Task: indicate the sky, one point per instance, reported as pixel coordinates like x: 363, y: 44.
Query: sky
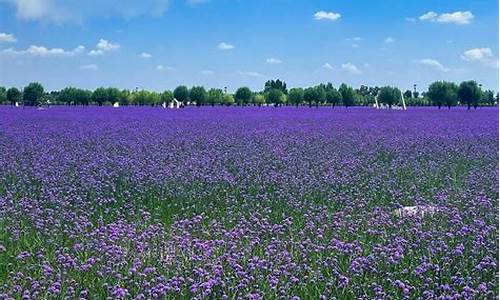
x: 160, y: 44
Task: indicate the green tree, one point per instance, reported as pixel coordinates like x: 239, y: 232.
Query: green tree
x: 259, y: 99
x: 442, y: 93
x: 32, y: 94
x: 100, y: 96
x: 166, y: 97
x: 113, y: 95
x: 228, y: 99
x: 198, y: 95
x: 407, y: 94
x: 215, y: 96
x: 333, y: 97
x: 124, y: 97
x: 310, y: 95
x: 3, y: 95
x: 488, y: 98
x: 243, y: 95
x: 348, y: 95
x: 14, y: 95
x: 275, y: 84
x: 181, y: 93
x: 469, y: 93
x: 320, y: 94
x: 275, y: 97
x: 389, y: 95
x: 296, y: 96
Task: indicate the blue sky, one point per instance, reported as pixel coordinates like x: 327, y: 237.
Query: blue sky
x: 159, y: 44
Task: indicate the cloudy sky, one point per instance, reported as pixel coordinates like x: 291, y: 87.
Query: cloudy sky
x: 159, y: 44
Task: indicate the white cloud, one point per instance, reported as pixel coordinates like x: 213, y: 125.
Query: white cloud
x: 95, y: 52
x: 63, y: 11
x: 145, y: 55
x: 105, y: 45
x: 389, y: 40
x: 328, y: 16
x: 251, y: 74
x: 225, y: 46
x: 207, y: 72
x: 481, y: 55
x: 41, y: 51
x: 349, y: 67
x: 102, y: 47
x: 7, y: 38
x: 92, y: 67
x: 273, y: 60
x: 327, y: 66
x: 428, y: 16
x: 163, y: 68
x: 458, y: 17
x: 432, y: 63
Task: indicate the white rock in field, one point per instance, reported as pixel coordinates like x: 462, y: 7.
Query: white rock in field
x: 419, y: 210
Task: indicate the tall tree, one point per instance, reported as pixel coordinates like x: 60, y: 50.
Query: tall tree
x: 32, y: 94
x: 320, y: 94
x: 275, y: 84
x: 100, y: 96
x: 443, y: 93
x: 469, y: 93
x: 3, y: 94
x: 228, y: 99
x: 259, y: 99
x: 113, y: 95
x: 243, y: 95
x: 14, y: 95
x: 488, y: 98
x: 166, y: 97
x: 296, y: 96
x: 215, y: 96
x: 275, y: 96
x: 181, y: 93
x: 198, y: 95
x: 310, y: 95
x: 348, y: 95
x: 333, y: 97
x: 389, y: 95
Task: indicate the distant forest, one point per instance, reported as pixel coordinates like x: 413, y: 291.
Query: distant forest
x: 275, y: 93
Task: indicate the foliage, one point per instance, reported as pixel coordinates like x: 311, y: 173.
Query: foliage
x: 275, y: 84
x: 215, y: 96
x: 469, y: 93
x: 275, y: 96
x: 14, y: 95
x: 181, y: 93
x: 389, y: 95
x: 348, y: 95
x: 243, y: 95
x: 32, y: 94
x: 296, y: 96
x: 198, y: 94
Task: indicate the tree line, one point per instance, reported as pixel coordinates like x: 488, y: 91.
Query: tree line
x: 275, y: 93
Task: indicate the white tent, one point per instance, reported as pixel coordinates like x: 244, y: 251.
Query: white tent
x: 174, y: 104
x: 396, y: 107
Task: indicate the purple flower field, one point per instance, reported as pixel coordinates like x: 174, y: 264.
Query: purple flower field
x: 248, y: 203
